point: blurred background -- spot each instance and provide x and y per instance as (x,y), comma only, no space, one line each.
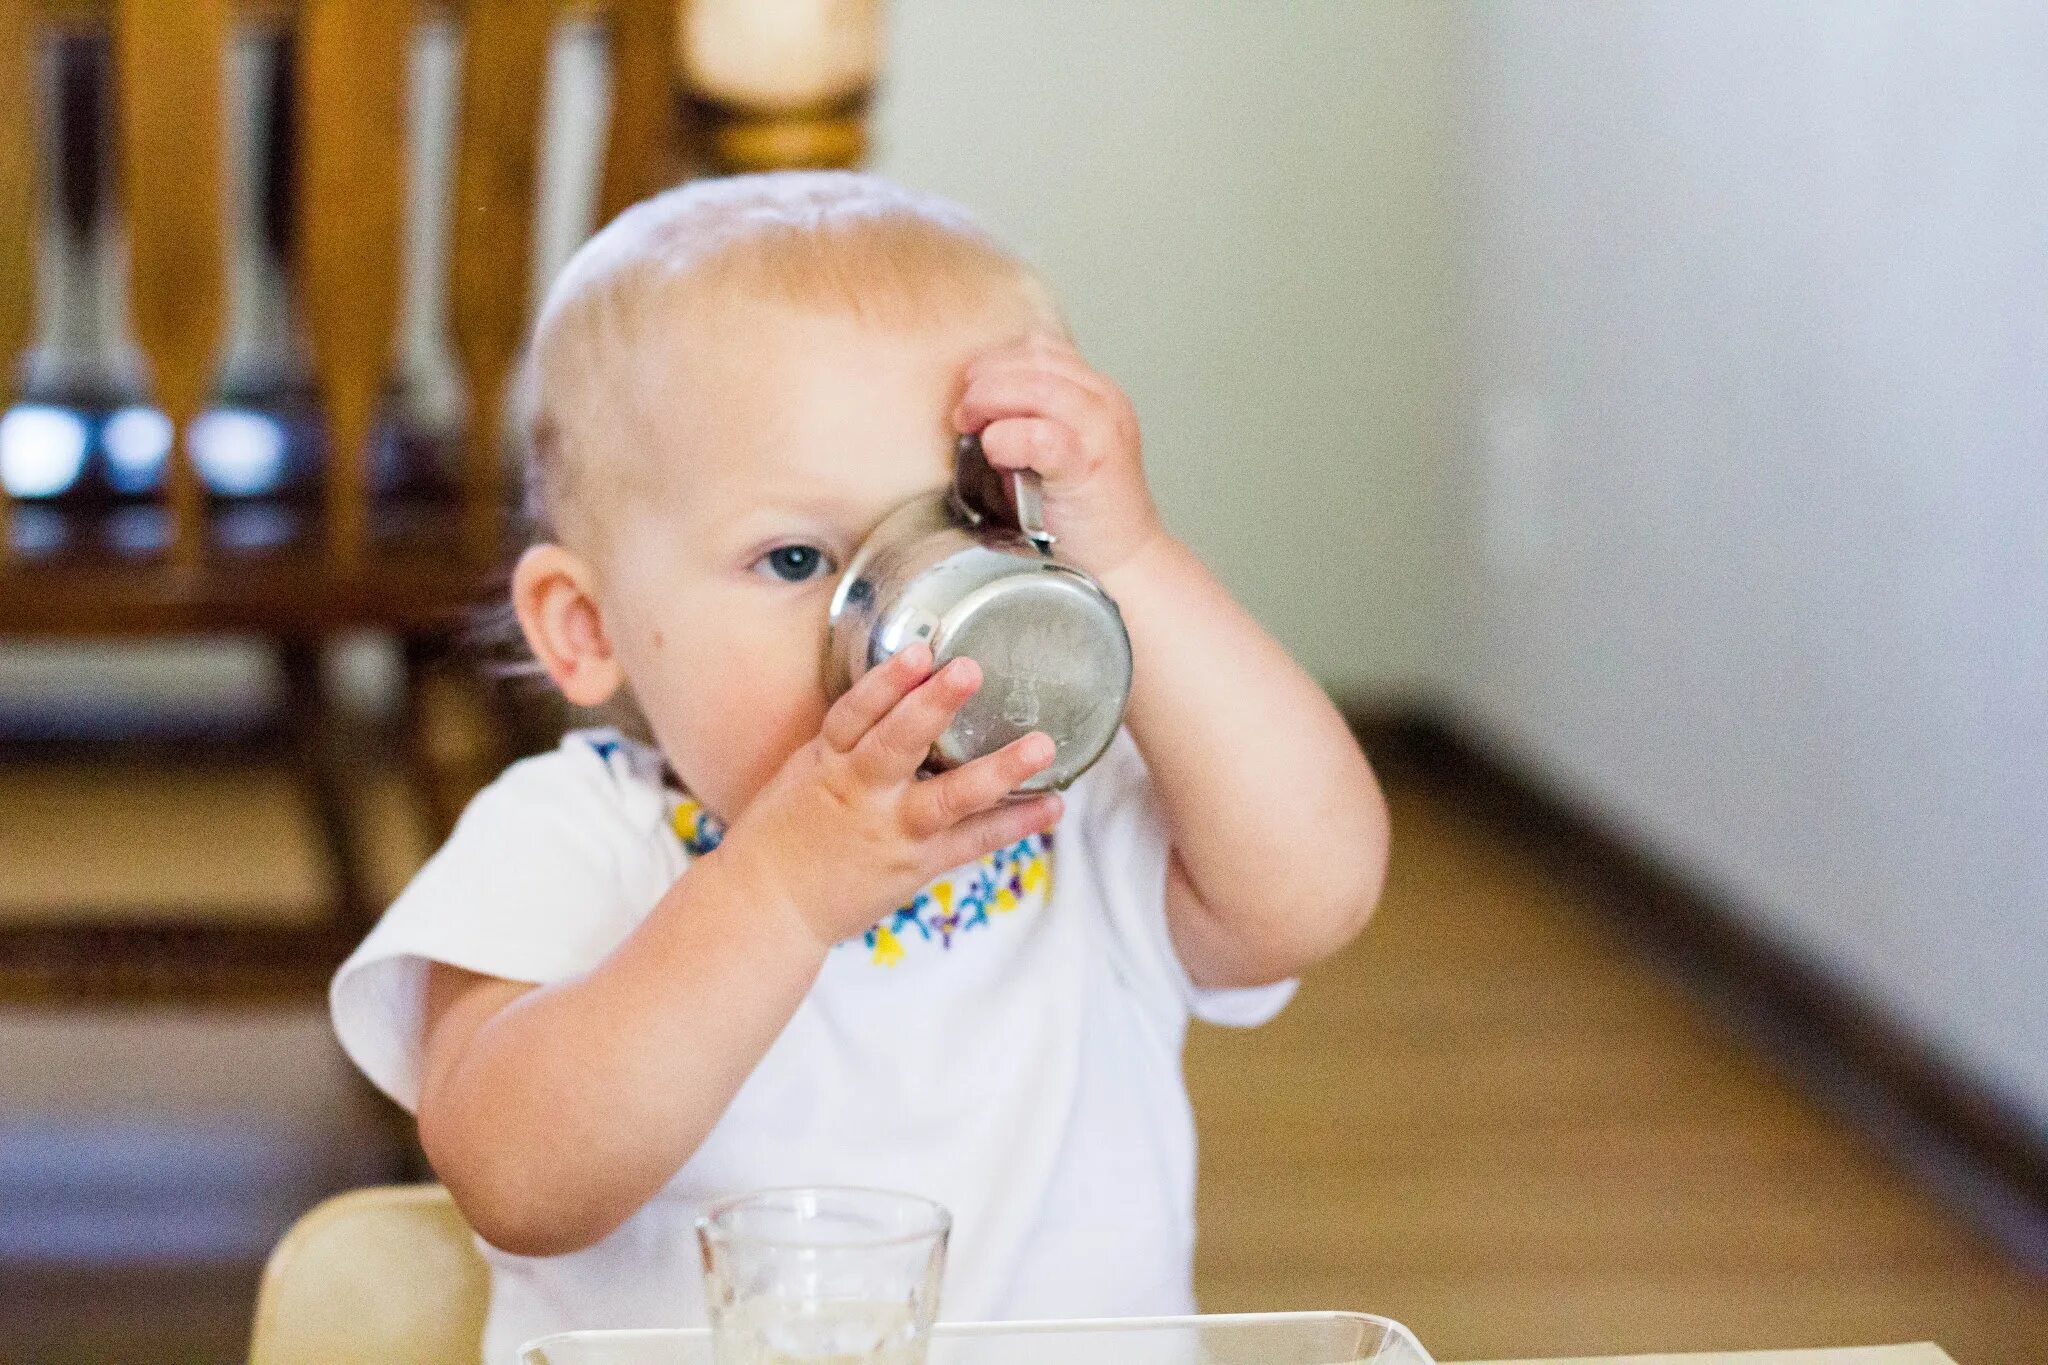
(1634,413)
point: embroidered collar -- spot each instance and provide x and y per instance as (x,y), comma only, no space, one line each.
(1018,877)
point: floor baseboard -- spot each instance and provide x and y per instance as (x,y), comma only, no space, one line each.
(1888,1083)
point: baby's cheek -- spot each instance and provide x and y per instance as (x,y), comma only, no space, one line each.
(757,726)
(742,692)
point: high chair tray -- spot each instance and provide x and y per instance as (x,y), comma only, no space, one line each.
(1224,1339)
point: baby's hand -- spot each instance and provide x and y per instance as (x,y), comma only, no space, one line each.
(1039,406)
(846,831)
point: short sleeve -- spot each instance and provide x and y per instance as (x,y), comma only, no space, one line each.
(1114,817)
(549,868)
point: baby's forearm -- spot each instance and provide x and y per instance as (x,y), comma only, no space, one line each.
(560,1113)
(1277,822)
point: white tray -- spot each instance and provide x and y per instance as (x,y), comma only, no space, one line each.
(1240,1339)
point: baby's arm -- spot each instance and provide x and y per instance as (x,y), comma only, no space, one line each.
(1278,827)
(553,1112)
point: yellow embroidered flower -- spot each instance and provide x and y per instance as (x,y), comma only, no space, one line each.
(888,948)
(696,827)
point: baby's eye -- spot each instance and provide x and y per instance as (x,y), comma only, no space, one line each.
(794,563)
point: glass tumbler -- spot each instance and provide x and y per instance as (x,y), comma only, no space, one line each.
(823,1276)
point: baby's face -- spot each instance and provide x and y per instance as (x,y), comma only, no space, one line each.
(772,454)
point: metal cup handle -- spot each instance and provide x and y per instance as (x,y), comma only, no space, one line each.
(979,490)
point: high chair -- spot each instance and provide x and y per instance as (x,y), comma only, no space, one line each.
(380,1276)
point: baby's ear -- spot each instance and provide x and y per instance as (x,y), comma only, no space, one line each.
(553,593)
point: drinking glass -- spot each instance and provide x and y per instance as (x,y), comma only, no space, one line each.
(823,1276)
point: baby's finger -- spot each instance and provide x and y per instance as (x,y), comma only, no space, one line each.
(898,743)
(935,806)
(870,698)
(1022,391)
(981,835)
(1040,350)
(1040,444)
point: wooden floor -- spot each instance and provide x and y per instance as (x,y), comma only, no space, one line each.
(1490,1121)
(1486,1119)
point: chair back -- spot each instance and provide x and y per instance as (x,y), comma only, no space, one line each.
(373,1277)
(345,183)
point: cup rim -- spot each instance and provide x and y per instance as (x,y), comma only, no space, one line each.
(938,1222)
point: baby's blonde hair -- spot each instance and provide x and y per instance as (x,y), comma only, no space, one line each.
(843,241)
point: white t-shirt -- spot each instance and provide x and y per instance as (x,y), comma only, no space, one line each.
(1014,1053)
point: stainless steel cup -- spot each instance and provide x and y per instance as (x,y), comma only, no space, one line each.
(972,572)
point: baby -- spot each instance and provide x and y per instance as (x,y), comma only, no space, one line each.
(759,949)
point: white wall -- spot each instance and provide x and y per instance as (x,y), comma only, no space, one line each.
(1242,208)
(1757,487)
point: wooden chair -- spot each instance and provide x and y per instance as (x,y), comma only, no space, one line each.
(347,552)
